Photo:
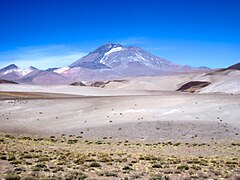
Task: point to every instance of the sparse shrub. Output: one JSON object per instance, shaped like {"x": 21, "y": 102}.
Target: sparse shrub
{"x": 13, "y": 177}
{"x": 169, "y": 143}
{"x": 8, "y": 136}
{"x": 99, "y": 142}
{"x": 103, "y": 157}
{"x": 90, "y": 160}
{"x": 176, "y": 161}
{"x": 135, "y": 176}
{"x": 29, "y": 177}
{"x": 11, "y": 157}
{"x": 231, "y": 164}
{"x": 81, "y": 159}
{"x": 75, "y": 175}
{"x": 3, "y": 157}
{"x": 42, "y": 159}
{"x": 28, "y": 163}
{"x": 197, "y": 168}
{"x": 134, "y": 161}
{"x": 19, "y": 170}
{"x": 148, "y": 158}
{"x": 27, "y": 156}
{"x": 183, "y": 167}
{"x": 194, "y": 161}
{"x": 159, "y": 177}
{"x": 107, "y": 174}
{"x": 72, "y": 141}
{"x": 94, "y": 164}
{"x": 26, "y": 138}
{"x": 46, "y": 169}
{"x": 53, "y": 140}
{"x": 168, "y": 171}
{"x": 127, "y": 168}
{"x": 61, "y": 163}
{"x": 157, "y": 166}
{"x": 34, "y": 168}
{"x": 16, "y": 161}
{"x": 40, "y": 165}
{"x": 177, "y": 144}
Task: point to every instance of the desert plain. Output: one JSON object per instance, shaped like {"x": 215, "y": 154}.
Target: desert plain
{"x": 141, "y": 128}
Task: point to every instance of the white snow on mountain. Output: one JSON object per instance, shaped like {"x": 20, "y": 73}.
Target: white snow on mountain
{"x": 18, "y": 71}
{"x": 115, "y": 49}
{"x": 9, "y": 71}
{"x": 14, "y": 69}
{"x": 61, "y": 70}
{"x": 26, "y": 71}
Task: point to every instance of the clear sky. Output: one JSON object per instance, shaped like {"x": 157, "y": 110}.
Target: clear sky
{"x": 52, "y": 33}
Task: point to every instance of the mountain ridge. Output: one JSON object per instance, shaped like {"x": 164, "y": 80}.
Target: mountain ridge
{"x": 107, "y": 62}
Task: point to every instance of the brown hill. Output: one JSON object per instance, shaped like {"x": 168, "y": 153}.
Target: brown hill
{"x": 193, "y": 86}
{"x": 77, "y": 84}
{"x": 7, "y": 82}
{"x": 235, "y": 66}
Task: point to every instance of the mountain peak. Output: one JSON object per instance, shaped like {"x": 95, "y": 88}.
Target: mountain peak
{"x": 112, "y": 45}
{"x": 9, "y": 67}
{"x": 107, "y": 47}
{"x": 130, "y": 60}
{"x": 33, "y": 68}
{"x": 95, "y": 59}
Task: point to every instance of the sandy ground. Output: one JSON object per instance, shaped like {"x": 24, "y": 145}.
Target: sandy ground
{"x": 221, "y": 82}
{"x": 120, "y": 113}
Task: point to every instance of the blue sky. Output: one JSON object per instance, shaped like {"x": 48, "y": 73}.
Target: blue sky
{"x": 52, "y": 33}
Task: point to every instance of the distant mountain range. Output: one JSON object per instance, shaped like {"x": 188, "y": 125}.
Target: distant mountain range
{"x": 108, "y": 62}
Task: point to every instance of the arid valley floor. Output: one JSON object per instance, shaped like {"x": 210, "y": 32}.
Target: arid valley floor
{"x": 66, "y": 132}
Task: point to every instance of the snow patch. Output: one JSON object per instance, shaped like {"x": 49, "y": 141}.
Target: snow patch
{"x": 26, "y": 71}
{"x": 19, "y": 71}
{"x": 109, "y": 52}
{"x": 9, "y": 71}
{"x": 61, "y": 70}
{"x": 114, "y": 50}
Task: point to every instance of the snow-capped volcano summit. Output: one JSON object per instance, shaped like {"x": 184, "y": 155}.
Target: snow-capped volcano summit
{"x": 99, "y": 55}
{"x": 116, "y": 56}
{"x": 96, "y": 59}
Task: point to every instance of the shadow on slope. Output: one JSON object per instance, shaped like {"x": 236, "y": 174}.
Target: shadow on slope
{"x": 193, "y": 86}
